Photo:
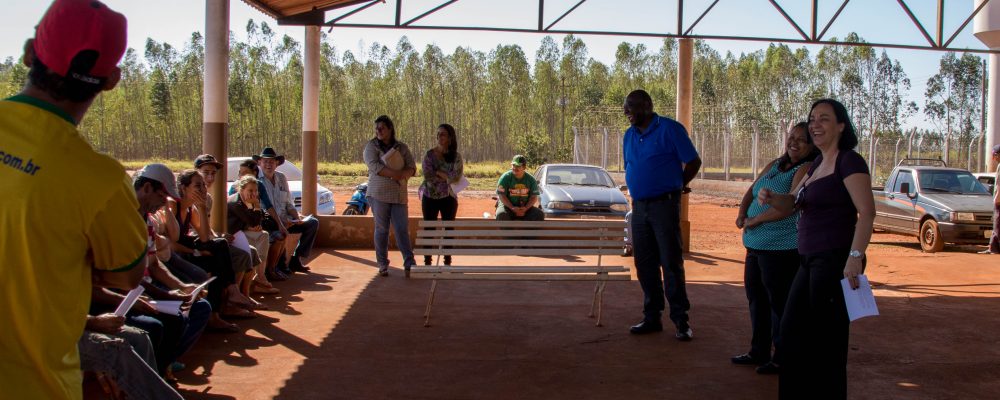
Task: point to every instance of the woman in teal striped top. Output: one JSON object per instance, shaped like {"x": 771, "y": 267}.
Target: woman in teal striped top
{"x": 772, "y": 256}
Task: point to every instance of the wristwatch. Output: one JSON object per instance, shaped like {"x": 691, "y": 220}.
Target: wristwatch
{"x": 855, "y": 254}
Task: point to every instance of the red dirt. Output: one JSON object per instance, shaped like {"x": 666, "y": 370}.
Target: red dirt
{"x": 341, "y": 332}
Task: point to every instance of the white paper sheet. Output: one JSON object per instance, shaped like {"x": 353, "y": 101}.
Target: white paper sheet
{"x": 129, "y": 301}
{"x": 202, "y": 286}
{"x": 460, "y": 185}
{"x": 169, "y": 307}
{"x": 240, "y": 241}
{"x": 861, "y": 301}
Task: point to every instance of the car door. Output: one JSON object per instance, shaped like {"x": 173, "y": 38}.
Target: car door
{"x": 899, "y": 207}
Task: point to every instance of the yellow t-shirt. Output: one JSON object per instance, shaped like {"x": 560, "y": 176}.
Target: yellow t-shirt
{"x": 64, "y": 209}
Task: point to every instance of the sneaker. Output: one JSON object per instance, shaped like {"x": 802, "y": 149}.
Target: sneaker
{"x": 646, "y": 326}
{"x": 684, "y": 335}
{"x": 383, "y": 271}
{"x": 987, "y": 251}
{"x": 747, "y": 359}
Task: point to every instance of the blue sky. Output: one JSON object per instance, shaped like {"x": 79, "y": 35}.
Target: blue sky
{"x": 173, "y": 21}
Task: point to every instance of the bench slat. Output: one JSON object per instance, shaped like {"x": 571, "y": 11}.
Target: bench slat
{"x": 519, "y": 233}
{"x": 518, "y": 252}
{"x": 489, "y": 223}
{"x": 524, "y": 243}
{"x": 520, "y": 277}
{"x": 509, "y": 269}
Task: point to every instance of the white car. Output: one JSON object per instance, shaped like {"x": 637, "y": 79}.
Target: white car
{"x": 324, "y": 197}
{"x": 987, "y": 179}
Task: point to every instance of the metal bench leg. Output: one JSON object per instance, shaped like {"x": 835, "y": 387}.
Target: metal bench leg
{"x": 430, "y": 302}
{"x": 600, "y": 302}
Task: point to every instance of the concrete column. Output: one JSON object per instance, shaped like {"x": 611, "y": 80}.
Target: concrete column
{"x": 310, "y": 118}
{"x": 986, "y": 27}
{"x": 215, "y": 124}
{"x": 685, "y": 100}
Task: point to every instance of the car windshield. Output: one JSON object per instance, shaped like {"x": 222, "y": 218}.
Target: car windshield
{"x": 291, "y": 172}
{"x": 582, "y": 176}
{"x": 950, "y": 181}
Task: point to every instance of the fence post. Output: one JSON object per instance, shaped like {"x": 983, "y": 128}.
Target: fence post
{"x": 604, "y": 150}
{"x": 726, "y": 137}
{"x": 895, "y": 154}
{"x": 968, "y": 165}
{"x": 909, "y": 144}
{"x": 576, "y": 146}
{"x": 701, "y": 171}
{"x": 875, "y": 157}
{"x": 754, "y": 157}
{"x": 946, "y": 149}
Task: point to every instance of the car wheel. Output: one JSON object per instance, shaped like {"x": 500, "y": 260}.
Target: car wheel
{"x": 930, "y": 237}
{"x": 352, "y": 210}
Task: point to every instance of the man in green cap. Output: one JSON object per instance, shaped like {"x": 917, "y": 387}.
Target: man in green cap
{"x": 517, "y": 191}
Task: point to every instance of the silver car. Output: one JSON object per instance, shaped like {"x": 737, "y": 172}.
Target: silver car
{"x": 324, "y": 197}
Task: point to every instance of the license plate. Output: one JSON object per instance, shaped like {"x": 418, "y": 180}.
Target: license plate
{"x": 988, "y": 233}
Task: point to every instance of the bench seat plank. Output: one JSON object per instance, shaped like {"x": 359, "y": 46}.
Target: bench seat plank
{"x": 489, "y": 223}
{"x": 521, "y": 269}
{"x": 598, "y": 243}
{"x": 517, "y": 252}
{"x": 517, "y": 233}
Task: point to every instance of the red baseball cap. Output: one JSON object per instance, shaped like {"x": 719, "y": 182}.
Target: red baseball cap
{"x": 70, "y": 27}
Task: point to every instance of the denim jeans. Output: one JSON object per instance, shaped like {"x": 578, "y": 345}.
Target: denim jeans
{"x": 656, "y": 241}
{"x": 116, "y": 357}
{"x": 396, "y": 215}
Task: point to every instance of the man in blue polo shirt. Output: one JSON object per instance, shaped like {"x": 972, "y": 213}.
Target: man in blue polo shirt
{"x": 660, "y": 160}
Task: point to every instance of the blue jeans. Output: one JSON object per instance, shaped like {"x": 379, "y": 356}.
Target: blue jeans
{"x": 656, "y": 242}
{"x": 308, "y": 230}
{"x": 397, "y": 215}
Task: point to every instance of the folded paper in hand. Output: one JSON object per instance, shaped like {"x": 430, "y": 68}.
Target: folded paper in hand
{"x": 861, "y": 301}
{"x": 129, "y": 301}
{"x": 460, "y": 185}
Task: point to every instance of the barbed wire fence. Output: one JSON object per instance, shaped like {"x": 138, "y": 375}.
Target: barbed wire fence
{"x": 738, "y": 154}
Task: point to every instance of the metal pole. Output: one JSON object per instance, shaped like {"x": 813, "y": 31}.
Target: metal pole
{"x": 754, "y": 156}
{"x": 968, "y": 164}
{"x": 685, "y": 100}
{"x": 604, "y": 149}
{"x": 215, "y": 106}
{"x": 310, "y": 119}
{"x": 895, "y": 154}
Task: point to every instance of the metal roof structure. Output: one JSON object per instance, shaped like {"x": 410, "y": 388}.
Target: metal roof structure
{"x": 546, "y": 18}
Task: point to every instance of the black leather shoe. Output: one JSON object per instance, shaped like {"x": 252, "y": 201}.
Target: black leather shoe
{"x": 645, "y": 327}
{"x": 746, "y": 359}
{"x": 768, "y": 369}
{"x": 684, "y": 335}
{"x": 296, "y": 265}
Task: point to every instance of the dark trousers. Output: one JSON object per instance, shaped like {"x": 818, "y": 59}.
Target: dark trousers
{"x": 219, "y": 264}
{"x": 533, "y": 214}
{"x": 308, "y": 230}
{"x": 995, "y": 239}
{"x": 656, "y": 240}
{"x": 767, "y": 278}
{"x": 815, "y": 330}
{"x": 446, "y": 207}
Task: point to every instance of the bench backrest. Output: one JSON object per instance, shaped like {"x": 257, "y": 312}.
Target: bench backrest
{"x": 526, "y": 238}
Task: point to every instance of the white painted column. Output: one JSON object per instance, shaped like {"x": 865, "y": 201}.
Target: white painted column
{"x": 986, "y": 27}
{"x": 215, "y": 123}
{"x": 310, "y": 118}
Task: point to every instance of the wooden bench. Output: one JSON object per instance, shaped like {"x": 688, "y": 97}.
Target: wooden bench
{"x": 483, "y": 238}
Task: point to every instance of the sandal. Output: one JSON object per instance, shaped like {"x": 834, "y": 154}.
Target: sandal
{"x": 220, "y": 325}
{"x": 237, "y": 312}
{"x": 260, "y": 289}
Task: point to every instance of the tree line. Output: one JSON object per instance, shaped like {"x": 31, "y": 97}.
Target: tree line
{"x": 500, "y": 101}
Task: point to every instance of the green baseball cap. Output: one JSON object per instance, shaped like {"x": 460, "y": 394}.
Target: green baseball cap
{"x": 519, "y": 160}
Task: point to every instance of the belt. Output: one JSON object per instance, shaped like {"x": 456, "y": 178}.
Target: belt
{"x": 675, "y": 194}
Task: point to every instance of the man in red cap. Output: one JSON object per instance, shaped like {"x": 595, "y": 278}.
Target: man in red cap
{"x": 52, "y": 247}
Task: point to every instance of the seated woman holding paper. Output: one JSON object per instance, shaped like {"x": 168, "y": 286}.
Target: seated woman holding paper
{"x": 835, "y": 225}
{"x": 245, "y": 216}
{"x": 196, "y": 244}
{"x": 442, "y": 169}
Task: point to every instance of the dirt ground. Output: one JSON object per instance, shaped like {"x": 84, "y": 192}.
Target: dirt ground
{"x": 342, "y": 332}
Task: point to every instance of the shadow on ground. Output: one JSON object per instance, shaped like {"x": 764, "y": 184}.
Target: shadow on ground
{"x": 533, "y": 340}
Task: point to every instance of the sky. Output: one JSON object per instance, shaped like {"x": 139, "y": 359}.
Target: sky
{"x": 173, "y": 21}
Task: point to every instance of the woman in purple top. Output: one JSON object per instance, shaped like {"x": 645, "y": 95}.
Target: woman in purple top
{"x": 442, "y": 167}
{"x": 835, "y": 225}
